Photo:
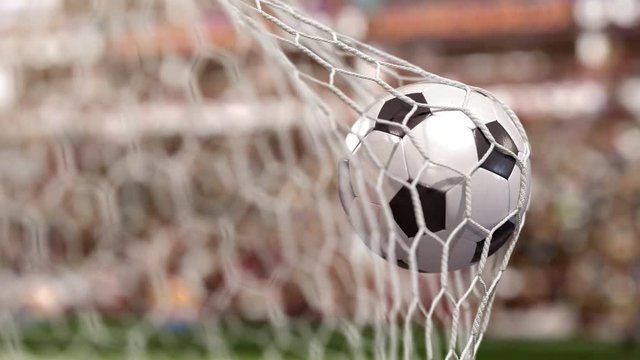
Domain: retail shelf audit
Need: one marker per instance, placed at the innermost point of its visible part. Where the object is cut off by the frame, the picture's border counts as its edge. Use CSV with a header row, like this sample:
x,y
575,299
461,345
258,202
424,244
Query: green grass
x,y
561,350
71,340
491,350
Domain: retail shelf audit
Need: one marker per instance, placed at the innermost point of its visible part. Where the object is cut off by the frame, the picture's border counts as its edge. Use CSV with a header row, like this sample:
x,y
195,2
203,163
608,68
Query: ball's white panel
x,y
461,254
446,140
514,187
371,224
429,253
420,87
388,152
490,198
455,206
482,107
457,118
365,218
529,184
443,95
374,110
364,124
344,184
359,129
470,233
509,126
431,175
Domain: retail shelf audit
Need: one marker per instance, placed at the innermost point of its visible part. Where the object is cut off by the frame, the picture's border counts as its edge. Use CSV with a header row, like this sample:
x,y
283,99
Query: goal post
x,y
169,183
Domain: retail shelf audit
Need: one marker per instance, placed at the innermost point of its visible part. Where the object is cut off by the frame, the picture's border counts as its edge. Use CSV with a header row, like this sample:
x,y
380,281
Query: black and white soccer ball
x,y
443,157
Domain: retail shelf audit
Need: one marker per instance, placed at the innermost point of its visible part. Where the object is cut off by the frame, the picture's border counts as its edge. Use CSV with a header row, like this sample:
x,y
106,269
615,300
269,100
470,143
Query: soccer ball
x,y
441,160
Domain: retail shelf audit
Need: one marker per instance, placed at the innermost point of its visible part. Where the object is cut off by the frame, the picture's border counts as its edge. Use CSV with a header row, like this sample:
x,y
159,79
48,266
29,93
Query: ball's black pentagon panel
x,y
501,136
401,263
499,133
500,237
510,127
482,144
396,110
499,164
496,162
433,203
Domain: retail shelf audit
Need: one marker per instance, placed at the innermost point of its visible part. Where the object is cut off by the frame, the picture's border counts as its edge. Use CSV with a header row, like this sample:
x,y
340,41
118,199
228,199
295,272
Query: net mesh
x,y
169,187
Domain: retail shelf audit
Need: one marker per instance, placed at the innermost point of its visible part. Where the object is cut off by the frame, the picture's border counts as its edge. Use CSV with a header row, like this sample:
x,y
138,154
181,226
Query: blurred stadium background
x,y
570,70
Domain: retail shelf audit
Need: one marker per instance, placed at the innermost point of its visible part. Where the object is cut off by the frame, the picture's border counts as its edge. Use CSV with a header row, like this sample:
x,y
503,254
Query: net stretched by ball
x,y
170,183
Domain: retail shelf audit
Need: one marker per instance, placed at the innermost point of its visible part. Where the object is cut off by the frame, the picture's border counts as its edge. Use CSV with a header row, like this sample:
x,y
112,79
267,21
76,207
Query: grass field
x,y
69,341
563,350
491,350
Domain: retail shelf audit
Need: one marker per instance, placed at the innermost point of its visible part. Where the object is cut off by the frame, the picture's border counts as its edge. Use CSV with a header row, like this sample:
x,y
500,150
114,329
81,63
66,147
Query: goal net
x,y
169,187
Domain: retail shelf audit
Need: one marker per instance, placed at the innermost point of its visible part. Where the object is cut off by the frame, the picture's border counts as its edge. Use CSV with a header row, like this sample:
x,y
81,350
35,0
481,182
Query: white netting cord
x,y
480,321
157,194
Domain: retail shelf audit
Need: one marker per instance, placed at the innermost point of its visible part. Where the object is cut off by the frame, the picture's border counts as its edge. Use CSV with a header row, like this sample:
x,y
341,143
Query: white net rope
x,y
168,184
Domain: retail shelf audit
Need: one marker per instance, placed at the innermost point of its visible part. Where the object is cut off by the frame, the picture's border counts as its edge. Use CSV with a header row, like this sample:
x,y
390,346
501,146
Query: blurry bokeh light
x,y
593,48
7,88
591,14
